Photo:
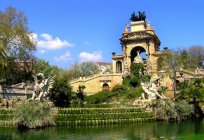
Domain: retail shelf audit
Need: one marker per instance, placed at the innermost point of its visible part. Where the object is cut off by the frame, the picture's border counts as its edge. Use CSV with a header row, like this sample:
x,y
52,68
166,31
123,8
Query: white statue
x,y
126,65
42,86
151,89
138,58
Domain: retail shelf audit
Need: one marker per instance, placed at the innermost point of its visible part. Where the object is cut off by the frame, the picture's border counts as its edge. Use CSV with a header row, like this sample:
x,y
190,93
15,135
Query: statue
x,y
42,86
151,89
126,70
141,16
138,58
134,17
126,65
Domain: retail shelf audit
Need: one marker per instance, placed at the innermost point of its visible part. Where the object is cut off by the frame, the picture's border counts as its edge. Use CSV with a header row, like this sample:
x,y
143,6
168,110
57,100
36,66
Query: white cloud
x,y
95,56
46,36
41,51
64,57
47,41
87,43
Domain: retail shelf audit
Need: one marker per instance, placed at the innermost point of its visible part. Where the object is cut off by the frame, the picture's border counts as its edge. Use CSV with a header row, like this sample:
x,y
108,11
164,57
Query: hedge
x,y
89,116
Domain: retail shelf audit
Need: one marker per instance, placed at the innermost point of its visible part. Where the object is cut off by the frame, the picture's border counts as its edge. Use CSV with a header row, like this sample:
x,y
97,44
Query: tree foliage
x,y
137,71
83,69
188,58
15,43
172,111
61,92
196,55
192,92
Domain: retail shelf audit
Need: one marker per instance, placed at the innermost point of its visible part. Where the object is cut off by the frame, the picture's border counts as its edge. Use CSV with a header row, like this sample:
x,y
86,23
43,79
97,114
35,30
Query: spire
x,y
126,29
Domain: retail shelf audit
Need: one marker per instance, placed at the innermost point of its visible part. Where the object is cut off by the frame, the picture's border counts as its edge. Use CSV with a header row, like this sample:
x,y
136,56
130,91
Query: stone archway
x,y
105,87
133,53
118,67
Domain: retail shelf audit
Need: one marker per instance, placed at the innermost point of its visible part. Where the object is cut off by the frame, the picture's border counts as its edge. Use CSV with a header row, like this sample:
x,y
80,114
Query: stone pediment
x,y
136,36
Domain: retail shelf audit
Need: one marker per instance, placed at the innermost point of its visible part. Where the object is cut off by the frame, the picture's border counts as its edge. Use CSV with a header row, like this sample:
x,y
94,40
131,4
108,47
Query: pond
x,y
139,131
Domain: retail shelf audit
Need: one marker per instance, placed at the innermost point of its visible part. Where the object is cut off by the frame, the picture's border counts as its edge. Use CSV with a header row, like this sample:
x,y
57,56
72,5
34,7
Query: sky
x,y
71,31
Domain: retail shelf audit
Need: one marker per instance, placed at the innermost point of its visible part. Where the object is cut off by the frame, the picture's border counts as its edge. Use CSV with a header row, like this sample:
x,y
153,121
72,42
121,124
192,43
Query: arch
x,y
105,87
177,82
118,67
133,53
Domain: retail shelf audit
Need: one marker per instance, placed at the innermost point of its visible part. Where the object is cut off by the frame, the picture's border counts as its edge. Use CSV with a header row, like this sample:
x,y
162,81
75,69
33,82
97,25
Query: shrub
x,y
61,92
135,81
134,93
100,97
126,80
171,110
193,94
34,114
120,88
136,68
183,109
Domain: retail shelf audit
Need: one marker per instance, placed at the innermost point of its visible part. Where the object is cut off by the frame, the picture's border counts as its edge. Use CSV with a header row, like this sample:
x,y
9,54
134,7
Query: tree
x,y
82,70
61,92
15,41
188,59
43,66
192,93
196,54
88,68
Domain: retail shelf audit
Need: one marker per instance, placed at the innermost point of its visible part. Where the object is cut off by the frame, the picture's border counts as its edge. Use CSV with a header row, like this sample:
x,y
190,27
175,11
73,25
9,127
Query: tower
x,y
138,37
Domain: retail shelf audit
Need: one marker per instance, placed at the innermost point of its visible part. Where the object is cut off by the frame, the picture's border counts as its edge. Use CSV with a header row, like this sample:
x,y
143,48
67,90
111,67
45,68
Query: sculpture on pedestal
x,y
140,17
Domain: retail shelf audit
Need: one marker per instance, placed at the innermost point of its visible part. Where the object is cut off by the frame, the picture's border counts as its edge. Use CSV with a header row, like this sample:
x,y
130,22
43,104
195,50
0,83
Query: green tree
x,y
83,69
137,71
192,93
61,92
15,41
196,54
88,68
43,66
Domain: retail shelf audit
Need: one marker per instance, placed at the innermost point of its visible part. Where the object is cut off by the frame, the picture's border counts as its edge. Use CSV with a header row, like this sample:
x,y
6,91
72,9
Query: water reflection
x,y
141,131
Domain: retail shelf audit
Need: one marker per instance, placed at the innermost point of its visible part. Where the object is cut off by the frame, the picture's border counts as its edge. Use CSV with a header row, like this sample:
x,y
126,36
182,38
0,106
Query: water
x,y
140,131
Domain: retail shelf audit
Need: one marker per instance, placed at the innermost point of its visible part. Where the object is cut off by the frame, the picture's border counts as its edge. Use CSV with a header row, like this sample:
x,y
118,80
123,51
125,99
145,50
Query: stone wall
x,y
95,83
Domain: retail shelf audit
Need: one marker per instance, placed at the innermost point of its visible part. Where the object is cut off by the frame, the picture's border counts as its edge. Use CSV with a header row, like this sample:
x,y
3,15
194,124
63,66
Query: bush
x,y
98,98
135,81
134,93
120,88
183,109
34,114
193,94
61,92
170,110
126,81
136,68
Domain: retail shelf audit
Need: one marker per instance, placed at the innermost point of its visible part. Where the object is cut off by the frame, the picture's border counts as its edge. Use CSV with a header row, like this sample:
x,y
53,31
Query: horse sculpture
x,y
140,17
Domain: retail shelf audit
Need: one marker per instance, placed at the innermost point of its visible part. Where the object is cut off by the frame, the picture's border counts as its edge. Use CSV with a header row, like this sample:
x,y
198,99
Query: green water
x,y
140,131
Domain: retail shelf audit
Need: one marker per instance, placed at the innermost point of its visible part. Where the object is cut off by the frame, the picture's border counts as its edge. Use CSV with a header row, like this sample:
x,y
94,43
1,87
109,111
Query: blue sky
x,y
71,31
